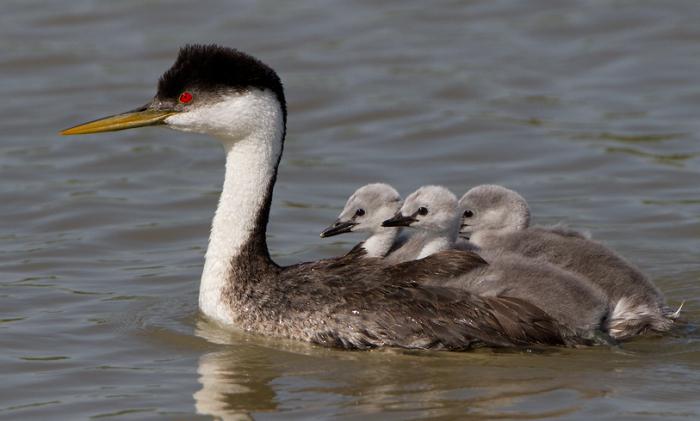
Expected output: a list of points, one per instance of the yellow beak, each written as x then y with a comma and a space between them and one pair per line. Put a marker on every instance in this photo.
123, 121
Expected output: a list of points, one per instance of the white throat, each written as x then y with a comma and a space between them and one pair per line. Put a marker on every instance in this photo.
436, 241
478, 238
434, 244
253, 145
379, 244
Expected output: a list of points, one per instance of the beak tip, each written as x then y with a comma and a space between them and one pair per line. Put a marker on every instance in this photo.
337, 228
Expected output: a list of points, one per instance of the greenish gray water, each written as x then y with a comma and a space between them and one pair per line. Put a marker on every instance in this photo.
588, 108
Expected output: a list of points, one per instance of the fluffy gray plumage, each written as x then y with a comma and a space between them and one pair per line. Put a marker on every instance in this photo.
432, 232
364, 211
496, 218
565, 296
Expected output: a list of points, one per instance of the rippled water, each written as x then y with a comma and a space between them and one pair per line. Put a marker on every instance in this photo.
589, 108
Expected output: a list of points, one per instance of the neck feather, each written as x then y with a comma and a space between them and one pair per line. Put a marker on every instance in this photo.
240, 222
481, 237
435, 241
379, 244
435, 244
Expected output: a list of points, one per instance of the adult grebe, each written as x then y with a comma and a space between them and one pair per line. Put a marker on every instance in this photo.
347, 302
497, 218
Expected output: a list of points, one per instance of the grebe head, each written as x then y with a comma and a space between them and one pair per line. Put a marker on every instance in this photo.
492, 207
366, 209
209, 89
430, 208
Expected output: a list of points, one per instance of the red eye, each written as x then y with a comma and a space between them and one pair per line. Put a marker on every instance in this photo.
185, 97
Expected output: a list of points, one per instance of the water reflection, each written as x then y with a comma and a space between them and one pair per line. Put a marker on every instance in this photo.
232, 386
251, 374
235, 381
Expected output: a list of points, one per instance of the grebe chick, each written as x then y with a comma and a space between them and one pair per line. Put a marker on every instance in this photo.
347, 302
365, 211
496, 218
429, 211
567, 297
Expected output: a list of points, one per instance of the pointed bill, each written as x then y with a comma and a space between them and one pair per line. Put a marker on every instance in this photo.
338, 228
399, 220
123, 121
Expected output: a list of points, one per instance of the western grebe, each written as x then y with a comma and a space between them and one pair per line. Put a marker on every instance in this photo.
347, 302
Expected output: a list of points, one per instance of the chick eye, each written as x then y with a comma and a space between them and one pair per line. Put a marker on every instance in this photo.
185, 98
359, 212
422, 211
468, 213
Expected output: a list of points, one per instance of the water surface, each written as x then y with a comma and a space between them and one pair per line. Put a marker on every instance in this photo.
588, 108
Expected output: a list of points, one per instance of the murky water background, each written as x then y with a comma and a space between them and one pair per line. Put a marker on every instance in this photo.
589, 108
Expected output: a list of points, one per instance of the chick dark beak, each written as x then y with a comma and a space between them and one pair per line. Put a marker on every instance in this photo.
339, 227
399, 221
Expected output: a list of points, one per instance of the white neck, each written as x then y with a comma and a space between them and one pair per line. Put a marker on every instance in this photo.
477, 238
434, 244
250, 167
379, 244
436, 241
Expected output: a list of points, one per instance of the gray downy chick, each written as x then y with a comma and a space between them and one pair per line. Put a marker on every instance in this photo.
567, 297
364, 211
431, 213
495, 218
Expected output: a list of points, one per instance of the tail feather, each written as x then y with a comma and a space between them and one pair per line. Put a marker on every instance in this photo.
676, 314
631, 319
